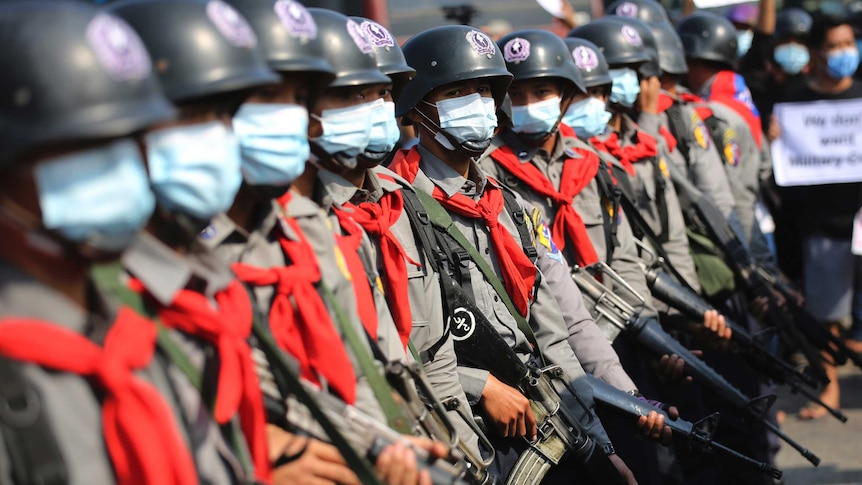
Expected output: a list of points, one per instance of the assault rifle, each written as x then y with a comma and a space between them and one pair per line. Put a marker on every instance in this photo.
614, 315
559, 433
697, 434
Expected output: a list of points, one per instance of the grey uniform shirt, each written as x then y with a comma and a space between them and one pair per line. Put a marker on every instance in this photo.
424, 292
163, 273
646, 194
71, 405
335, 191
545, 316
586, 339
261, 248
703, 165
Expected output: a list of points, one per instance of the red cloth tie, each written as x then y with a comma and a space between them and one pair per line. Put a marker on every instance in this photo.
349, 243
377, 219
645, 148
141, 433
577, 174
307, 331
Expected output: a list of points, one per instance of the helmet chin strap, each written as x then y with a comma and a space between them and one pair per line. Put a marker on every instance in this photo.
443, 138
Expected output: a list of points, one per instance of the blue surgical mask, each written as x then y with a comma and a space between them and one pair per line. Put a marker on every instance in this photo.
346, 131
538, 117
384, 128
625, 87
470, 119
194, 169
744, 39
588, 117
842, 63
792, 57
100, 197
273, 140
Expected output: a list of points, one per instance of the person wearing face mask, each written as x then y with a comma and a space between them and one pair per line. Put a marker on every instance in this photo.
461, 77
542, 159
824, 213
744, 18
372, 196
272, 254
642, 156
94, 402
194, 167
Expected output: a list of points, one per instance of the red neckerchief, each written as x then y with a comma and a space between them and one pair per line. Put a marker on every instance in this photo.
140, 431
726, 89
349, 243
227, 329
577, 174
377, 219
664, 103
519, 273
307, 331
645, 148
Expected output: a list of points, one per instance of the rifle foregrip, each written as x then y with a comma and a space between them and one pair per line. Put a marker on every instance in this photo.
621, 401
441, 473
649, 333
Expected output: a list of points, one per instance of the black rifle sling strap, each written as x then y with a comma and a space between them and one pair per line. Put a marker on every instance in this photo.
34, 455
680, 130
519, 216
441, 219
610, 197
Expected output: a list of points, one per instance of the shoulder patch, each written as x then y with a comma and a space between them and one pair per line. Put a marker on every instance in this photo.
731, 148
542, 236
701, 134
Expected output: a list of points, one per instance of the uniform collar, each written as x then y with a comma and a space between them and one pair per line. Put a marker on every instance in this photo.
222, 229
447, 179
164, 272
564, 148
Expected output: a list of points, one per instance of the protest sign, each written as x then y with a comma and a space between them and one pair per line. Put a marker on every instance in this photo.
821, 143
717, 3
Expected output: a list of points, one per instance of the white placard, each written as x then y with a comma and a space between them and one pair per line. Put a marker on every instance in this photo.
821, 143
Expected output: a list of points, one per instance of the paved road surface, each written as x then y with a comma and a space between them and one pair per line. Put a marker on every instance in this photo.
839, 445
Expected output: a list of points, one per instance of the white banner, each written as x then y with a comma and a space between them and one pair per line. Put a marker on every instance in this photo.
821, 143
717, 3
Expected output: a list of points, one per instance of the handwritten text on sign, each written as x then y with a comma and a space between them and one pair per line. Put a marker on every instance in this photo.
821, 143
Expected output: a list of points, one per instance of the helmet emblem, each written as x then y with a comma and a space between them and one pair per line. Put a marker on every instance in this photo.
296, 19
118, 48
359, 38
516, 50
376, 34
585, 58
627, 9
481, 43
231, 24
631, 36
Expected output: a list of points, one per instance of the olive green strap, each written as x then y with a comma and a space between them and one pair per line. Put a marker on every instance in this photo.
108, 278
440, 218
395, 416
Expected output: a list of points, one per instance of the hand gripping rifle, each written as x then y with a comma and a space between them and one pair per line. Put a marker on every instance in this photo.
697, 434
759, 358
614, 315
559, 433
432, 420
357, 436
795, 333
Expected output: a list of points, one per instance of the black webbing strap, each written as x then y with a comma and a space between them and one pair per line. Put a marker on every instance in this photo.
34, 455
610, 195
520, 218
680, 130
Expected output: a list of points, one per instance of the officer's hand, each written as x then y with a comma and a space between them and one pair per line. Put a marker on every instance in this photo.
396, 464
508, 409
648, 98
758, 307
318, 463
671, 367
715, 329
623, 469
652, 426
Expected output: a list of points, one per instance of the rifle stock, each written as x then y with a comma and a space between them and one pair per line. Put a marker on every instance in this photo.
698, 434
